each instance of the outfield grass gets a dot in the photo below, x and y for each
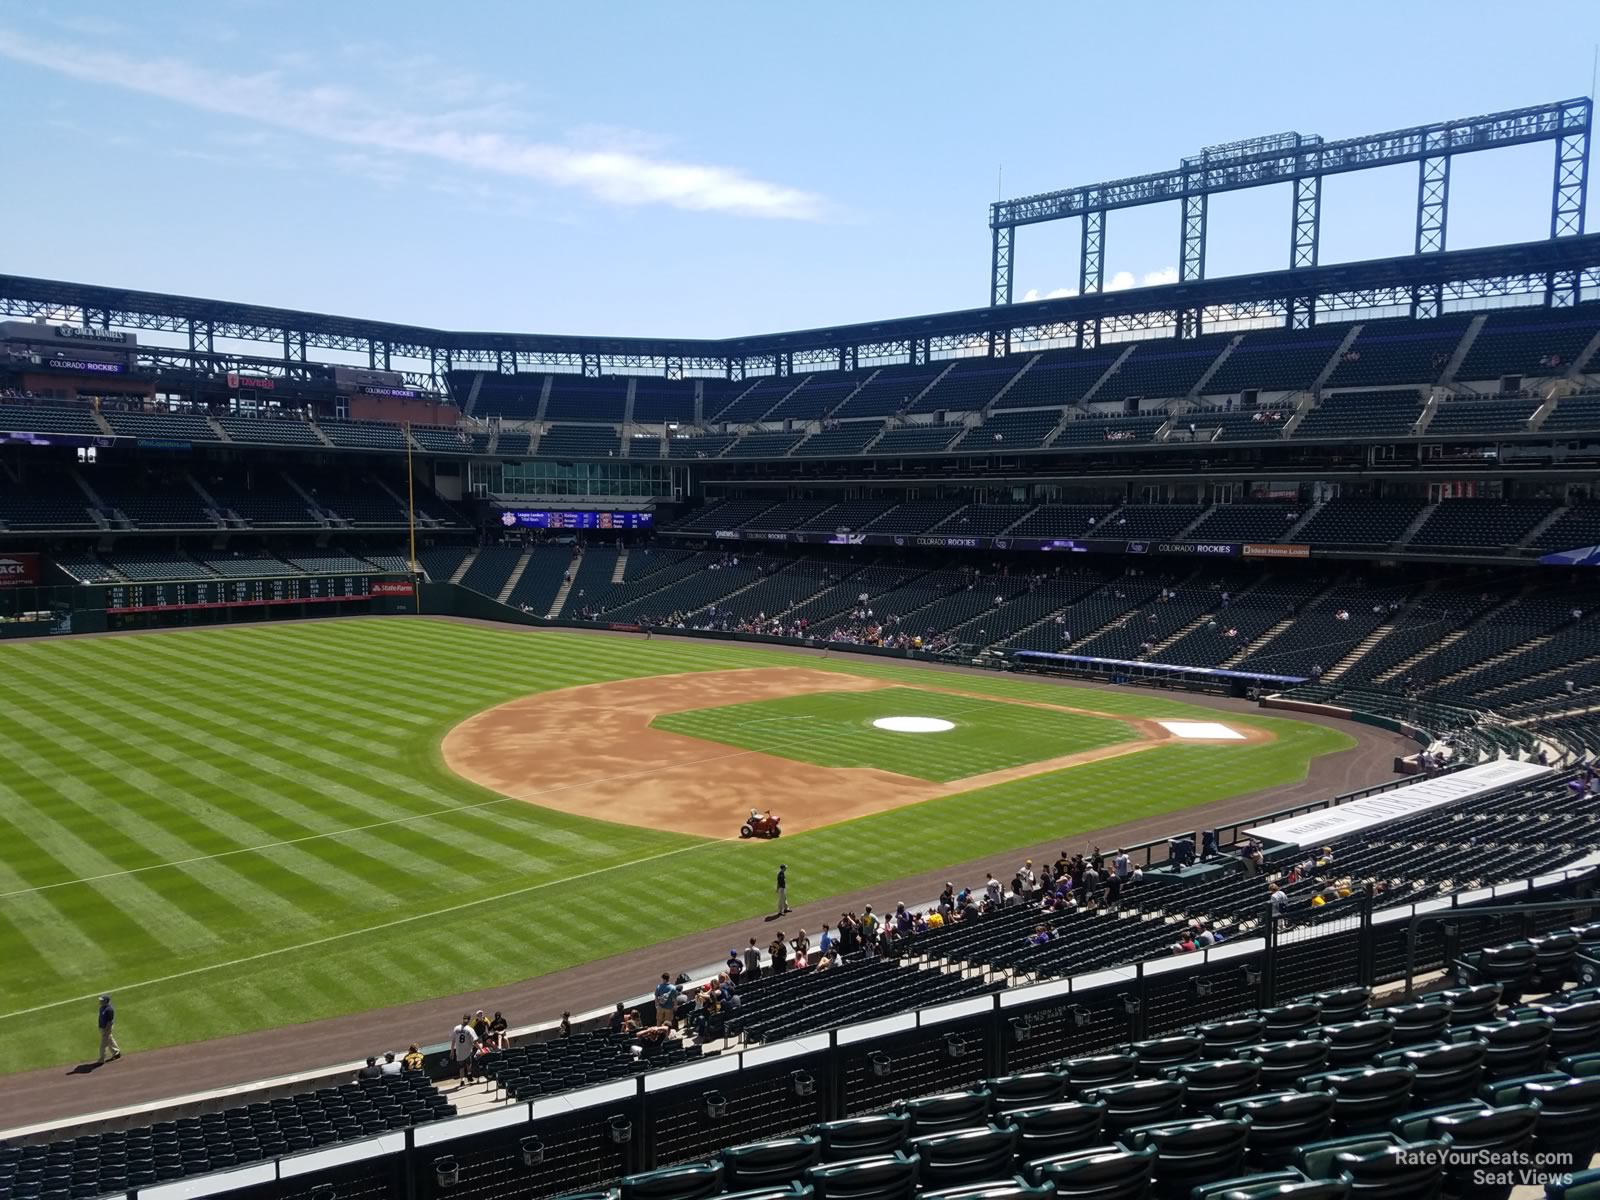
(240, 828)
(834, 729)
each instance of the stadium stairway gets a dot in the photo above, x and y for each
(1428, 510)
(620, 572)
(1459, 355)
(1377, 635)
(1306, 518)
(743, 588)
(1484, 664)
(1550, 519)
(466, 565)
(1401, 669)
(566, 586)
(514, 578)
(1255, 646)
(1209, 615)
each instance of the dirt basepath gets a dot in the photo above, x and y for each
(592, 751)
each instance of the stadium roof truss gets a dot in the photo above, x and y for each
(215, 336)
(1303, 161)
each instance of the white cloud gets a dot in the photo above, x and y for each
(470, 140)
(1120, 282)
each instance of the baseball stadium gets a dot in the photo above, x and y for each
(1133, 744)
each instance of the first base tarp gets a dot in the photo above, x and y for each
(1329, 824)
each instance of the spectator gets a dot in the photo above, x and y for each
(389, 1065)
(666, 1001)
(777, 954)
(565, 1028)
(752, 960)
(1277, 898)
(480, 1026)
(825, 942)
(618, 1018)
(463, 1042)
(1120, 864)
(849, 933)
(498, 1031)
(371, 1070)
(413, 1059)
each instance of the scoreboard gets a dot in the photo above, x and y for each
(239, 593)
(541, 519)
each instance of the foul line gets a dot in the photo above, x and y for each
(398, 921)
(333, 833)
(337, 937)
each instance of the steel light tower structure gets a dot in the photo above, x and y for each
(1304, 161)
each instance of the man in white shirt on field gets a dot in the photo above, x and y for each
(463, 1046)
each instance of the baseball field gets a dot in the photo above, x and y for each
(242, 828)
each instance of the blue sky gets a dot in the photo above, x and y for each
(709, 169)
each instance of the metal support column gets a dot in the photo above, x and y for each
(1000, 260)
(1433, 212)
(1091, 271)
(1306, 224)
(1192, 247)
(1433, 203)
(1571, 182)
(1091, 253)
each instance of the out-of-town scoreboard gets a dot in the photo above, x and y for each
(243, 593)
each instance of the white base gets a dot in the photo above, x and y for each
(913, 724)
(1202, 729)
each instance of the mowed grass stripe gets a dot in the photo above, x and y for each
(360, 777)
(303, 779)
(153, 769)
(604, 888)
(835, 729)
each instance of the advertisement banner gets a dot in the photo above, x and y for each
(1210, 549)
(1273, 550)
(392, 587)
(19, 570)
(87, 366)
(1329, 824)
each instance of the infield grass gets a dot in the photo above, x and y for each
(834, 729)
(244, 827)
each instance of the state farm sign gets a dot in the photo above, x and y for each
(18, 570)
(386, 587)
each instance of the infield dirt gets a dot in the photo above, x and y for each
(592, 751)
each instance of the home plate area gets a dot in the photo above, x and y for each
(1209, 731)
